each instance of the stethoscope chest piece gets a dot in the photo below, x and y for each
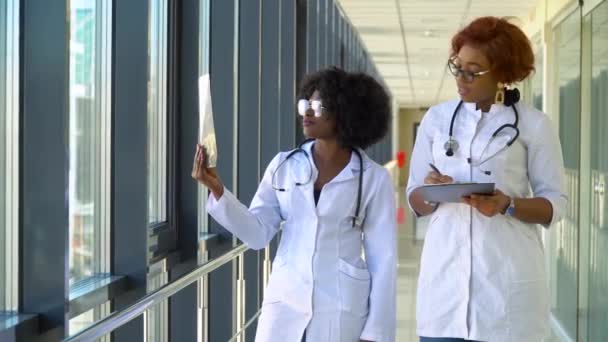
(450, 146)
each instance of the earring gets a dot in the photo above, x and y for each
(500, 94)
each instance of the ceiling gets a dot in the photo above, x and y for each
(409, 40)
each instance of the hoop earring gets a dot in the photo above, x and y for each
(500, 94)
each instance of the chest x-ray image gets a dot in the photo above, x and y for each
(206, 130)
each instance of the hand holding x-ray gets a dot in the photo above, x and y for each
(206, 131)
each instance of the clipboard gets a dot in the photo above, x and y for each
(453, 192)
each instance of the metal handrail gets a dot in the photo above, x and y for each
(120, 318)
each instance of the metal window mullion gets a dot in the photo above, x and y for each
(236, 265)
(160, 110)
(235, 98)
(164, 108)
(12, 128)
(164, 308)
(203, 219)
(44, 274)
(104, 49)
(157, 93)
(241, 297)
(155, 113)
(165, 311)
(327, 31)
(203, 295)
(158, 136)
(279, 70)
(72, 127)
(206, 22)
(5, 227)
(150, 114)
(98, 148)
(149, 110)
(152, 111)
(107, 76)
(155, 51)
(160, 132)
(163, 111)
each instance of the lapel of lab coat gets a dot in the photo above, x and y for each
(300, 171)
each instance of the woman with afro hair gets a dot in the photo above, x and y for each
(334, 275)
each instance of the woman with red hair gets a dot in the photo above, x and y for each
(482, 274)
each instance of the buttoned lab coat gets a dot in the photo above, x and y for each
(319, 281)
(484, 278)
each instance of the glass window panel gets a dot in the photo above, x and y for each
(564, 249)
(88, 318)
(89, 137)
(536, 82)
(157, 111)
(598, 239)
(9, 172)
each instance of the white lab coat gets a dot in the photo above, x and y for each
(319, 281)
(484, 278)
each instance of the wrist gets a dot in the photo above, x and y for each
(433, 205)
(508, 208)
(217, 191)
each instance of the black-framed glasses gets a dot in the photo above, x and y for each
(467, 76)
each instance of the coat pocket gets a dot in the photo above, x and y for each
(278, 283)
(354, 286)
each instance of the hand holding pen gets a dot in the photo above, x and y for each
(436, 177)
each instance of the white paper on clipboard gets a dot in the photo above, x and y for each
(206, 129)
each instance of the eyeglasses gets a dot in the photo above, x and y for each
(305, 105)
(467, 76)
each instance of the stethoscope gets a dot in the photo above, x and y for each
(299, 149)
(450, 146)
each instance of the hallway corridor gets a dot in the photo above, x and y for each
(409, 248)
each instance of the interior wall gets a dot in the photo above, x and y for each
(407, 118)
(544, 12)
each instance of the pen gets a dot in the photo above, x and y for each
(435, 169)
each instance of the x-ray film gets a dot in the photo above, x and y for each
(206, 130)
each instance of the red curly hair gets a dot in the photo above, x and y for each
(505, 45)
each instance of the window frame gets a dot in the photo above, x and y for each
(9, 285)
